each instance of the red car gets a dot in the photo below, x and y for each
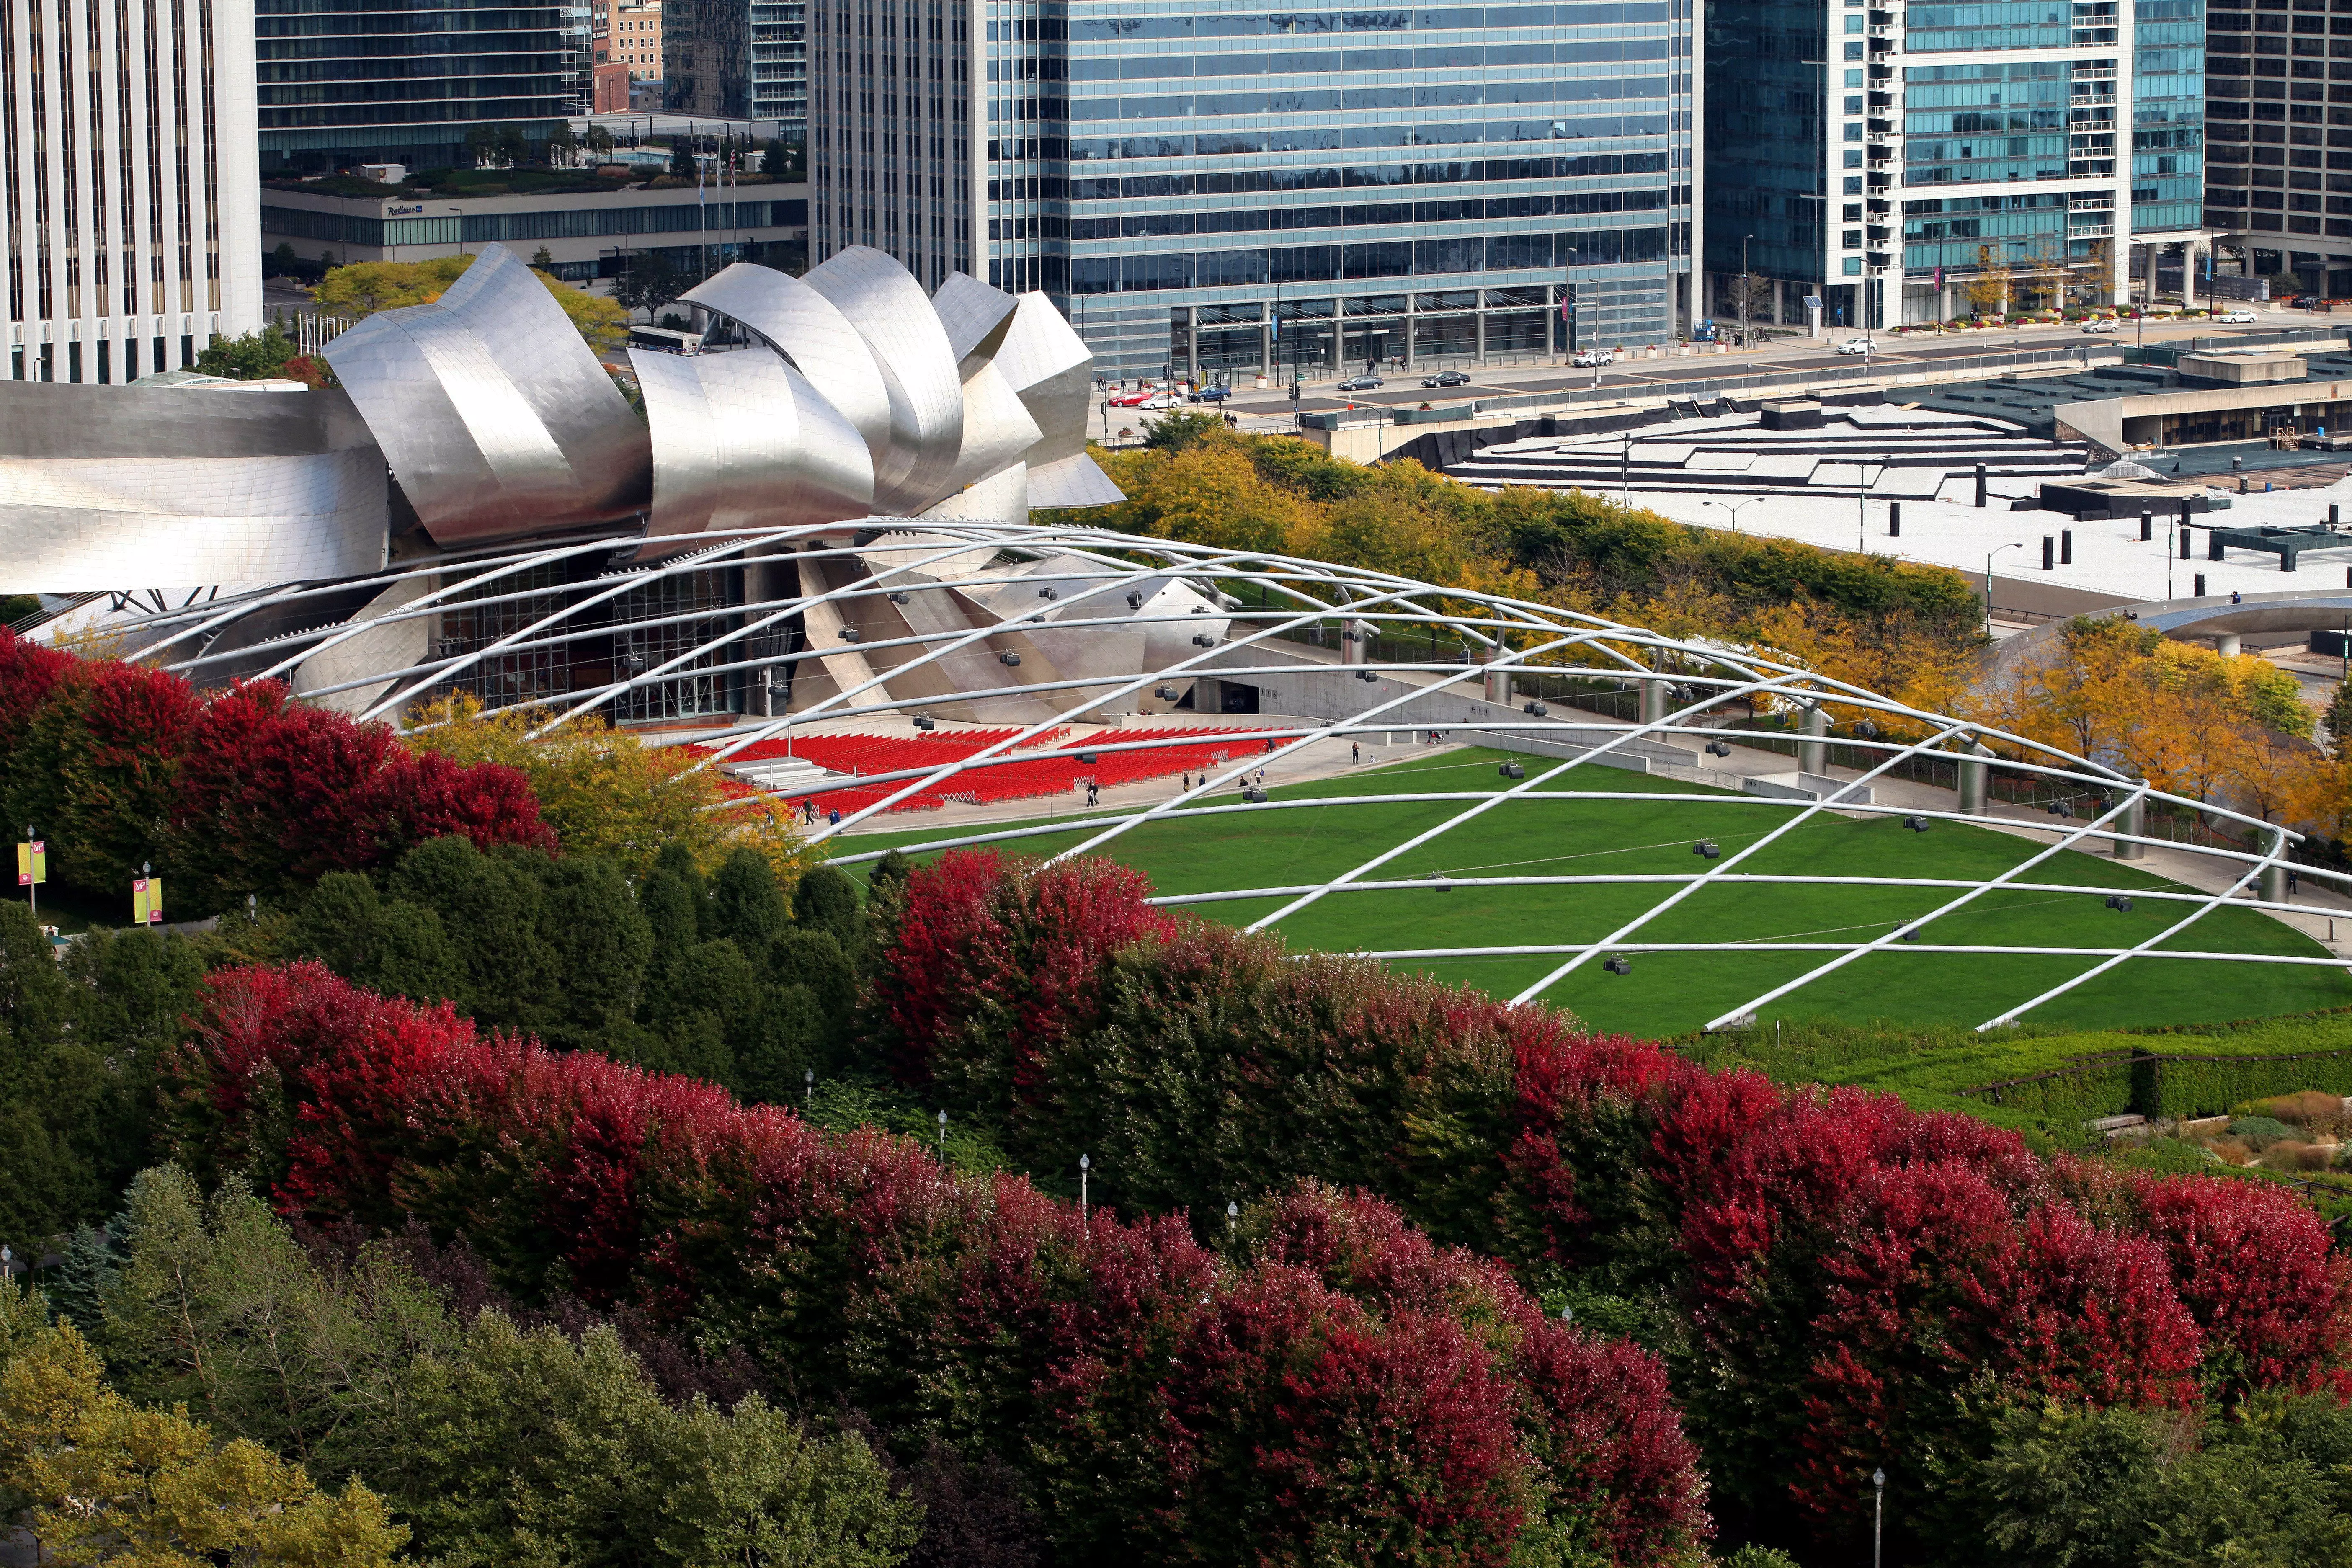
(1131, 399)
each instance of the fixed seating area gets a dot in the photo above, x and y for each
(819, 771)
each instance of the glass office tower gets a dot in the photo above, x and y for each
(343, 82)
(1911, 164)
(1222, 191)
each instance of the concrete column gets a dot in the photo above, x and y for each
(1551, 315)
(2226, 645)
(1482, 327)
(1653, 702)
(1265, 342)
(1192, 348)
(1410, 348)
(2134, 821)
(1814, 753)
(1975, 775)
(1340, 334)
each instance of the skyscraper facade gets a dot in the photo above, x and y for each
(2279, 189)
(1221, 190)
(1909, 163)
(742, 59)
(130, 203)
(349, 81)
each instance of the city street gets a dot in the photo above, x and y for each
(1781, 354)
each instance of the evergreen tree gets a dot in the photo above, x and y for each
(746, 905)
(602, 943)
(825, 900)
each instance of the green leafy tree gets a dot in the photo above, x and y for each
(560, 143)
(1180, 428)
(649, 283)
(681, 159)
(746, 904)
(513, 150)
(598, 140)
(256, 356)
(481, 144)
(602, 941)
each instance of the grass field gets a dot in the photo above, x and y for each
(1668, 994)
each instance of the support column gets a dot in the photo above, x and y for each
(1653, 702)
(1193, 347)
(1813, 751)
(1265, 342)
(2134, 821)
(2273, 888)
(1481, 328)
(2227, 644)
(1551, 317)
(1339, 335)
(1411, 348)
(1975, 776)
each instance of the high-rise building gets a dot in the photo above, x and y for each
(2278, 185)
(742, 59)
(1912, 163)
(343, 83)
(129, 210)
(1220, 192)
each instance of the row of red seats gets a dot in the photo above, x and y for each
(1028, 777)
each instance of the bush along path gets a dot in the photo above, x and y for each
(1331, 1386)
(1837, 1282)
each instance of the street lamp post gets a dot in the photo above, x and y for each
(2013, 544)
(1878, 1518)
(1733, 507)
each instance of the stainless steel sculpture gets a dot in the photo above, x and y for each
(743, 438)
(497, 419)
(851, 395)
(111, 487)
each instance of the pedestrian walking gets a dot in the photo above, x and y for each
(1355, 753)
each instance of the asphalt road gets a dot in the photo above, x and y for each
(1319, 394)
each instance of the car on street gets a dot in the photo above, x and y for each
(1161, 399)
(1447, 378)
(1593, 359)
(2099, 324)
(1858, 346)
(1213, 395)
(2236, 318)
(1135, 399)
(1361, 384)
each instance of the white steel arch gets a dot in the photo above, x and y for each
(955, 604)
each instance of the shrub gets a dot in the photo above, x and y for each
(224, 793)
(2310, 1109)
(1426, 1406)
(1853, 1279)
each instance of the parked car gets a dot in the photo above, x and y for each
(1858, 346)
(1213, 395)
(1135, 399)
(1447, 378)
(1361, 384)
(1593, 359)
(1161, 399)
(2236, 318)
(2099, 324)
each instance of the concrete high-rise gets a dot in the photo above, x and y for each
(343, 84)
(740, 59)
(1911, 164)
(1220, 192)
(130, 203)
(2278, 189)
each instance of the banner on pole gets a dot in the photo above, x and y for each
(146, 900)
(32, 862)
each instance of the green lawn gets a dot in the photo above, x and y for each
(1668, 994)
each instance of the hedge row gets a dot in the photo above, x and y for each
(224, 793)
(1336, 1388)
(1850, 1281)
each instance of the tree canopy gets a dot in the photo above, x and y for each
(366, 287)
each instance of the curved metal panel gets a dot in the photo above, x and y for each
(742, 438)
(73, 525)
(493, 413)
(996, 429)
(809, 330)
(889, 309)
(1049, 365)
(975, 315)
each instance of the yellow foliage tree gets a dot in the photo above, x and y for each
(606, 793)
(1893, 654)
(366, 287)
(103, 1481)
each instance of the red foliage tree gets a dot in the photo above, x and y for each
(237, 792)
(1354, 1386)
